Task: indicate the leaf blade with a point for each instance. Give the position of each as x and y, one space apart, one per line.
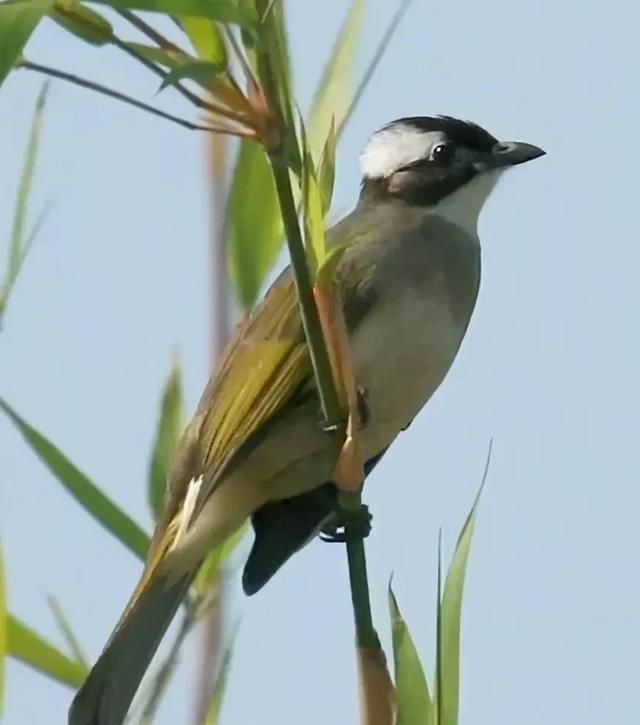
81 21
17 23
226 11
168 431
413 699
96 503
27 646
332 99
18 245
3 630
254 231
67 632
451 615
207 39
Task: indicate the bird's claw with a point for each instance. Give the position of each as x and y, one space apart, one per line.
348 524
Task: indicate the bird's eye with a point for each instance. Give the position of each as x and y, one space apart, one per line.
443 153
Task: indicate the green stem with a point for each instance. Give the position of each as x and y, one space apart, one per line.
366 635
333 415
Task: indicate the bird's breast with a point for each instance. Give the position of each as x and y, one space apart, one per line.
402 352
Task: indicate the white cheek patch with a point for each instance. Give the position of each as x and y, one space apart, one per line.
394 147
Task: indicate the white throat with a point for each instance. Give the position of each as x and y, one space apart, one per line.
463 206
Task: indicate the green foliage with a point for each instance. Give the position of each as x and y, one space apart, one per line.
86 493
168 431
414 705
17 21
66 630
450 619
202 72
207 40
21 241
334 94
253 224
226 11
81 21
3 629
24 644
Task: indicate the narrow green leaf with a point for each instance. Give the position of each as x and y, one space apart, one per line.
437 679
86 493
29 647
67 632
3 629
332 99
327 168
200 71
413 700
17 22
375 61
168 431
312 208
167 58
253 223
206 39
215 705
451 615
19 246
81 21
225 11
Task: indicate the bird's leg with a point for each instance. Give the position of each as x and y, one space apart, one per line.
357 521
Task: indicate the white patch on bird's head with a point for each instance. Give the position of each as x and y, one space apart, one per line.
464 205
396 146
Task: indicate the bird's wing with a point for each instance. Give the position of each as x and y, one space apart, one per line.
264 367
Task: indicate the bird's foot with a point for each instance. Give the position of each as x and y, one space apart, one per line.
348 524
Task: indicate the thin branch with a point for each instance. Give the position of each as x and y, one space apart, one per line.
149 31
166 44
111 93
331 409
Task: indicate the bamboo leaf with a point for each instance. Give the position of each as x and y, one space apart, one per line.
67 632
168 431
375 60
313 212
200 71
19 245
451 615
225 11
327 168
3 629
253 223
206 39
163 56
24 644
220 686
332 99
81 21
86 493
17 22
413 700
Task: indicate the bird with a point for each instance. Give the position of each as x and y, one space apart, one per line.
255 448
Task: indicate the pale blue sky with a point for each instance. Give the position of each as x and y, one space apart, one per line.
118 280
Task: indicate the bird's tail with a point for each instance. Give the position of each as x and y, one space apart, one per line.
106 694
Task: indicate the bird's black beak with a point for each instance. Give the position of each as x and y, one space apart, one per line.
505 154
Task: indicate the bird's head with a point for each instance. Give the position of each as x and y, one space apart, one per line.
443 161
